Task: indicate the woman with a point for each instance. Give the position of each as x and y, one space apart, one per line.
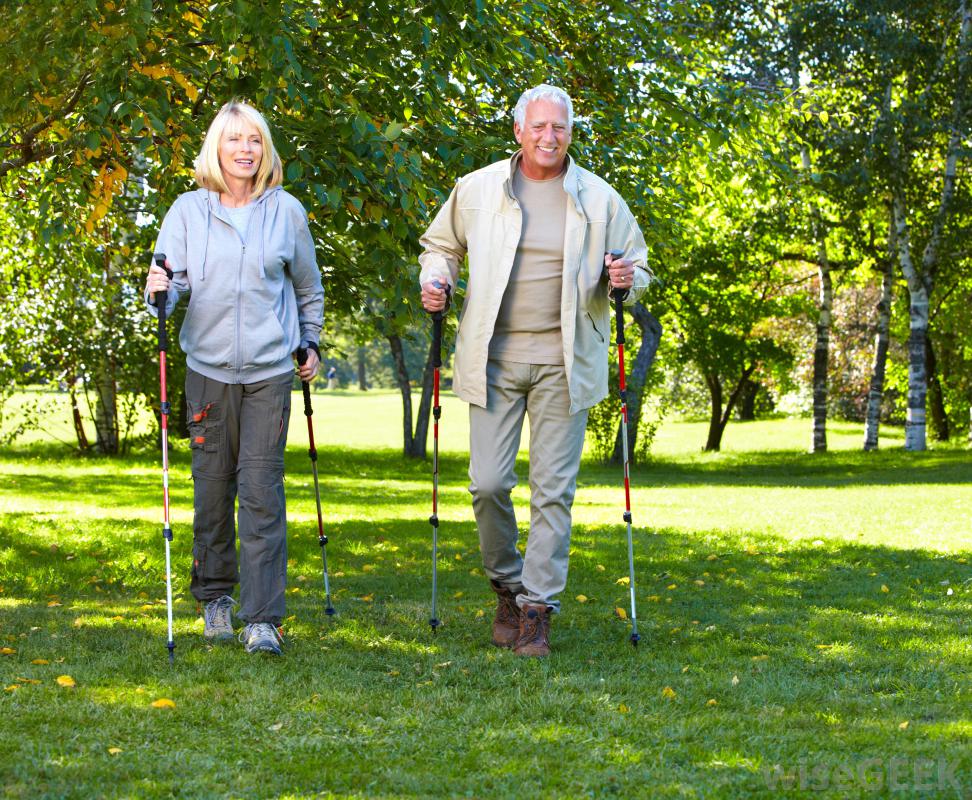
242 247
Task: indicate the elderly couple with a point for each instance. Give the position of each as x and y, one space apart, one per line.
533 339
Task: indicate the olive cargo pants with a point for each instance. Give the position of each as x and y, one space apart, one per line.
238 433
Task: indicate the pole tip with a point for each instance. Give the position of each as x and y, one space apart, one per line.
635 638
330 610
434 622
171 648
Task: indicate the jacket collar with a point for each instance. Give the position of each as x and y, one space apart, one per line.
571 178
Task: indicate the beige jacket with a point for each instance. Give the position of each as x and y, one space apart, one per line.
482 219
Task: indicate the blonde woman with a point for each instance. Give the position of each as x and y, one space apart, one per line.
241 247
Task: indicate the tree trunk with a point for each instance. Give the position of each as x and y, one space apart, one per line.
918 313
106 409
821 356
719 417
713 442
415 444
651 332
362 378
936 398
747 401
882 339
420 439
404 386
82 437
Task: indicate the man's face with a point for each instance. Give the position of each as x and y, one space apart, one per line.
544 137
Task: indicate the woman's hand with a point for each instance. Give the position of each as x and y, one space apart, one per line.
157 280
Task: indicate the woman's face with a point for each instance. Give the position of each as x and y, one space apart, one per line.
240 152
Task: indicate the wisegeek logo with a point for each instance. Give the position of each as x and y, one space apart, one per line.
873 774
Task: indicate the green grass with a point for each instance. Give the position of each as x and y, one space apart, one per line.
761 585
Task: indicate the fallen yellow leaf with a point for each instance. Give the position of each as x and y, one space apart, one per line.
114 751
600 568
457 595
163 702
623 708
581 598
653 598
53 604
903 725
712 557
66 681
480 614
27 680
672 586
458 556
885 589
668 693
623 581
735 680
700 583
13 687
712 702
622 614
7 651
367 598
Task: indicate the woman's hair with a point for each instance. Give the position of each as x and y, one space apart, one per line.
233 117
544 92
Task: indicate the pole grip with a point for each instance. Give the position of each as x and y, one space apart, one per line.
304 385
437 328
618 296
161 303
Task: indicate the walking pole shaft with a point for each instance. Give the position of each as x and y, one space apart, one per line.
161 301
312 452
619 296
436 414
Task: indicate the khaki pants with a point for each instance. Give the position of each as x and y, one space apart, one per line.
556 443
238 433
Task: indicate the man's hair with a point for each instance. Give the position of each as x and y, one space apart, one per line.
233 117
543 92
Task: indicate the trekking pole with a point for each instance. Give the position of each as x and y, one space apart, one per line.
161 300
436 413
618 295
321 538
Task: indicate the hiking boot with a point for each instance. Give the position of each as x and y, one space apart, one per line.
506 622
261 637
534 638
218 619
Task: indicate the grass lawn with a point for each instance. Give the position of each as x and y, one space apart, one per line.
806 629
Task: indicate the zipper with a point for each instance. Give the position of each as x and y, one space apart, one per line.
239 315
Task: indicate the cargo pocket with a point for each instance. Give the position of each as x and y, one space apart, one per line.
205 427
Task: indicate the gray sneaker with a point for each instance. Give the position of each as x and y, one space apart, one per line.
261 637
218 618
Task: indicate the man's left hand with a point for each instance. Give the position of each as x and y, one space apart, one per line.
308 370
620 272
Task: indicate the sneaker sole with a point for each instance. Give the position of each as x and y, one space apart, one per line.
219 637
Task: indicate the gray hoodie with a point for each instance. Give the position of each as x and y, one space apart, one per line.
253 299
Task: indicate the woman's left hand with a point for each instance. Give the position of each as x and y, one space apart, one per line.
308 370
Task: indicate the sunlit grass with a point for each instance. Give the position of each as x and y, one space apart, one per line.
794 609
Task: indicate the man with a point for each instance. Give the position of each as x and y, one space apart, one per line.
533 338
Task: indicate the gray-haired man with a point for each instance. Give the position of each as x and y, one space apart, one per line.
533 339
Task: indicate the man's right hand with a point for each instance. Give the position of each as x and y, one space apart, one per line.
157 281
433 298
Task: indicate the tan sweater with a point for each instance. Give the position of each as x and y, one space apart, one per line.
527 328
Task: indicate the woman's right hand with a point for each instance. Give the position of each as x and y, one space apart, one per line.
157 281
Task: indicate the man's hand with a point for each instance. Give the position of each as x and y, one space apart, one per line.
620 272
309 368
433 298
157 280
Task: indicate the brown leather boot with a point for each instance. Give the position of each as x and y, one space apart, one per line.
534 638
506 622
